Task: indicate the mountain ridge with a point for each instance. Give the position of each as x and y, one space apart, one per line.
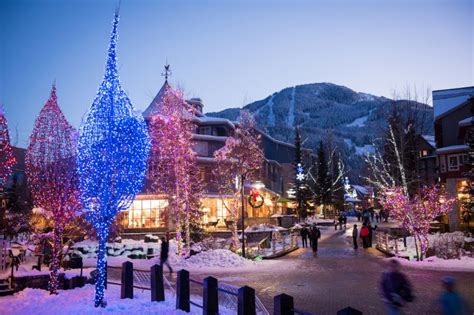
353 120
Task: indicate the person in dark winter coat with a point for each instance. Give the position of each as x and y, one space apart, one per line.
340 219
355 233
395 288
304 236
315 236
344 220
165 248
451 302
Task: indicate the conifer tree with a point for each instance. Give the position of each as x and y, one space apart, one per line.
52 177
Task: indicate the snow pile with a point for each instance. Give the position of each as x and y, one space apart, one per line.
221 258
463 264
317 219
128 248
447 245
81 301
264 227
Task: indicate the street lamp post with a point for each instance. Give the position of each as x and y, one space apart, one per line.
257 185
242 214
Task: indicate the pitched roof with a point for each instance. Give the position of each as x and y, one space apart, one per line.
153 108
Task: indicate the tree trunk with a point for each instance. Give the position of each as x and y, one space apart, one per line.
56 259
102 235
416 247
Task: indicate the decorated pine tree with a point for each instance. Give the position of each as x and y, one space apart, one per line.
241 158
7 160
112 157
172 165
52 177
300 185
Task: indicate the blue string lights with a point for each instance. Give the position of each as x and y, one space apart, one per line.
112 158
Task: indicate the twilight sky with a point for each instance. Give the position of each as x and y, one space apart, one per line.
227 52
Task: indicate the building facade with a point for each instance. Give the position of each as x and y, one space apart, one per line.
146 212
453 118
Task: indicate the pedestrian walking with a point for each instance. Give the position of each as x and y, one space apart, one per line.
452 302
316 235
340 219
395 288
344 220
358 215
377 216
372 215
355 233
304 236
165 247
364 235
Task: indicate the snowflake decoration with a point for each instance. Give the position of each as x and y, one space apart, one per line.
300 176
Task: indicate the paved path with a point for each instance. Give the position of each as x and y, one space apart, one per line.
340 276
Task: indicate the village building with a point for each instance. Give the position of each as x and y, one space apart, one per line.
453 118
145 215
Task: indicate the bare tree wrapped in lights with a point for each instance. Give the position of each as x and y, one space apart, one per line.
112 157
416 213
52 176
172 165
239 160
7 160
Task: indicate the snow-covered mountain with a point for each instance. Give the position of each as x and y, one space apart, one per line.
323 110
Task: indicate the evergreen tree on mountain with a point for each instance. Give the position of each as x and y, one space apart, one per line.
302 193
323 180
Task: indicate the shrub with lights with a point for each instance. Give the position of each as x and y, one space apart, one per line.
416 213
112 158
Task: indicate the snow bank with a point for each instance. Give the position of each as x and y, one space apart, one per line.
81 301
221 258
463 264
264 228
315 219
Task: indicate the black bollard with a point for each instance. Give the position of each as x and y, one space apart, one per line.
283 305
127 281
157 287
182 291
210 297
246 301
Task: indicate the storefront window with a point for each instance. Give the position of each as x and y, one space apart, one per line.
146 213
221 210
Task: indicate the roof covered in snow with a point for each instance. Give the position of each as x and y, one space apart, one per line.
446 100
453 148
430 139
466 122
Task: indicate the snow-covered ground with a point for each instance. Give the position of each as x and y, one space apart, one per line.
81 301
364 150
359 122
463 264
291 110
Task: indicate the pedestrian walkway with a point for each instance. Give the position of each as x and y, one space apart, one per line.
339 276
